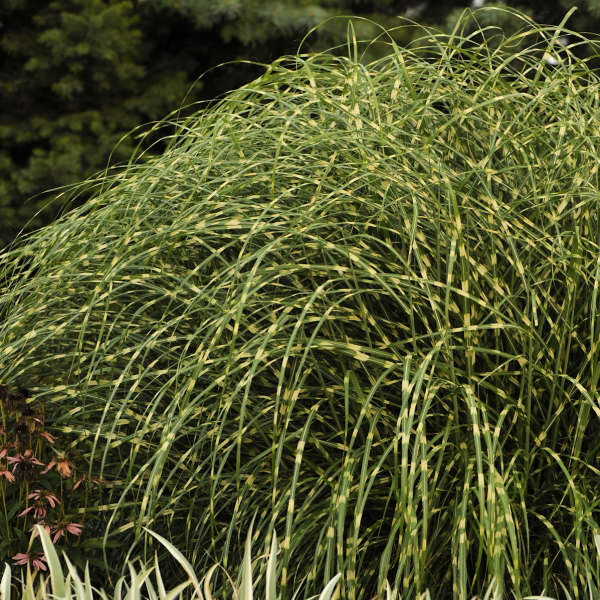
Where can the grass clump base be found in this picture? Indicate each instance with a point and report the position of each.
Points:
(73, 587)
(362, 298)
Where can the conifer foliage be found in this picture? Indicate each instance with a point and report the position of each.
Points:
(75, 77)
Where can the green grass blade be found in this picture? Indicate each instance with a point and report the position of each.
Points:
(56, 572)
(5, 583)
(180, 559)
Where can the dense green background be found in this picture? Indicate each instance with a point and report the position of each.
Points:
(77, 76)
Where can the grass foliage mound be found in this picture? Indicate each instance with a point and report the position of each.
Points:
(360, 300)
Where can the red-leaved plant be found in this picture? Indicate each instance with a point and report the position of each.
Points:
(32, 491)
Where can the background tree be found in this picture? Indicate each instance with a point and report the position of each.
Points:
(75, 78)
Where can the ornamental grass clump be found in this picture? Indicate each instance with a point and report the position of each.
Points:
(360, 298)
